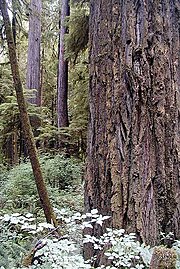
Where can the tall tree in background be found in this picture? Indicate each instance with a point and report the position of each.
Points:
(41, 187)
(62, 92)
(34, 42)
(133, 142)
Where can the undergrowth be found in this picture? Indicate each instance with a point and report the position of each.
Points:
(62, 176)
(23, 228)
(21, 233)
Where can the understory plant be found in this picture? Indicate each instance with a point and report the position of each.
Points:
(23, 229)
(65, 251)
(21, 233)
(18, 190)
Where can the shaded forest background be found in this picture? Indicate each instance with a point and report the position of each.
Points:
(44, 118)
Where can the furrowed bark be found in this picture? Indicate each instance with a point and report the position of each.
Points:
(133, 141)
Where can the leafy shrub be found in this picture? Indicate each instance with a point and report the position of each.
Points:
(11, 244)
(19, 188)
(19, 232)
(20, 181)
(66, 252)
(61, 172)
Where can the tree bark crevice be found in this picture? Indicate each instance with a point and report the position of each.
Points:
(134, 110)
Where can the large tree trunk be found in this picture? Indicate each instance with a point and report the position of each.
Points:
(133, 143)
(34, 42)
(62, 92)
(28, 135)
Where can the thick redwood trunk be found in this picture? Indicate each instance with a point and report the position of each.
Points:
(34, 42)
(62, 92)
(133, 143)
(28, 135)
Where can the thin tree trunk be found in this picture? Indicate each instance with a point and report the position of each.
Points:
(62, 92)
(34, 42)
(41, 187)
(133, 141)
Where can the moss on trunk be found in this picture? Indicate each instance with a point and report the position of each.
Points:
(163, 258)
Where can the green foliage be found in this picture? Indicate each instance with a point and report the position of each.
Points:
(78, 23)
(6, 85)
(17, 232)
(22, 232)
(78, 104)
(10, 123)
(9, 115)
(8, 104)
(18, 189)
(74, 138)
(61, 172)
(76, 42)
(11, 246)
(20, 180)
(126, 251)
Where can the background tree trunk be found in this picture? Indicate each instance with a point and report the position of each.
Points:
(34, 42)
(133, 142)
(28, 135)
(62, 106)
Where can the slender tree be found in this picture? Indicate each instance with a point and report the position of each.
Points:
(62, 92)
(133, 142)
(34, 42)
(28, 135)
(13, 143)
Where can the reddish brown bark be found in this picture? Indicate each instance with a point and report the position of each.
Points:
(34, 42)
(133, 141)
(62, 92)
